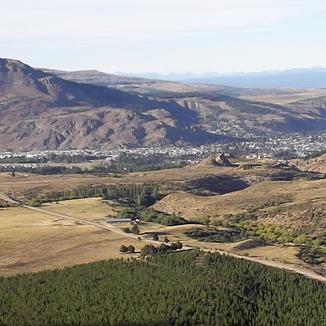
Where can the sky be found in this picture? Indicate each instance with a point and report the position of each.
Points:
(165, 36)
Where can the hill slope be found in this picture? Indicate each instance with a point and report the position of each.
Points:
(42, 111)
(317, 164)
(39, 110)
(223, 109)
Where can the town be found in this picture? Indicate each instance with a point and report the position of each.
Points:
(278, 147)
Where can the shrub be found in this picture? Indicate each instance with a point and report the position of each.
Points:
(34, 202)
(123, 249)
(155, 237)
(161, 218)
(148, 250)
(134, 229)
(179, 245)
(164, 248)
(173, 246)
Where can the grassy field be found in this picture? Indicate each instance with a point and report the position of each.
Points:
(300, 197)
(32, 241)
(27, 185)
(227, 179)
(275, 253)
(92, 209)
(316, 164)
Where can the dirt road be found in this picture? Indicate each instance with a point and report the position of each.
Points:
(308, 273)
(103, 226)
(303, 271)
(9, 200)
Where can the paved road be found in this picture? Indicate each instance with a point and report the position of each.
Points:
(306, 272)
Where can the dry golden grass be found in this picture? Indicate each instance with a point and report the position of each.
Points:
(32, 241)
(92, 209)
(30, 185)
(295, 194)
(275, 253)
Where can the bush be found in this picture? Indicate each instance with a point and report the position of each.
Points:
(123, 249)
(148, 250)
(161, 218)
(213, 235)
(34, 202)
(179, 245)
(155, 237)
(164, 248)
(173, 246)
(312, 255)
(127, 213)
(131, 249)
(134, 229)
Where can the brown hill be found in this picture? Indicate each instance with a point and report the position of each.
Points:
(296, 205)
(215, 160)
(20, 81)
(41, 111)
(226, 108)
(317, 164)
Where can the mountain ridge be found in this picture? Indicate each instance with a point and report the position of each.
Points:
(39, 110)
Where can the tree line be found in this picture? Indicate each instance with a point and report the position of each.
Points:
(131, 195)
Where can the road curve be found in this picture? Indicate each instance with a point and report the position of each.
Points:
(303, 271)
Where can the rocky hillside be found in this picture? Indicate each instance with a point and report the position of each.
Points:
(225, 109)
(41, 111)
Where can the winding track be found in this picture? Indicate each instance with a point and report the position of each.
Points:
(307, 273)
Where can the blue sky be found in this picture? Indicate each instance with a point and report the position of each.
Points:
(165, 35)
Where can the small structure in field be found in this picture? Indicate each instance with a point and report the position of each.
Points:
(118, 220)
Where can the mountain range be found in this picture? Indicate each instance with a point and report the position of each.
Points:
(297, 78)
(49, 109)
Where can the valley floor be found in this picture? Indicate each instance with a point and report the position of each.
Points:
(34, 239)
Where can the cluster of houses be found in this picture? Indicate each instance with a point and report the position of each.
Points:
(297, 145)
